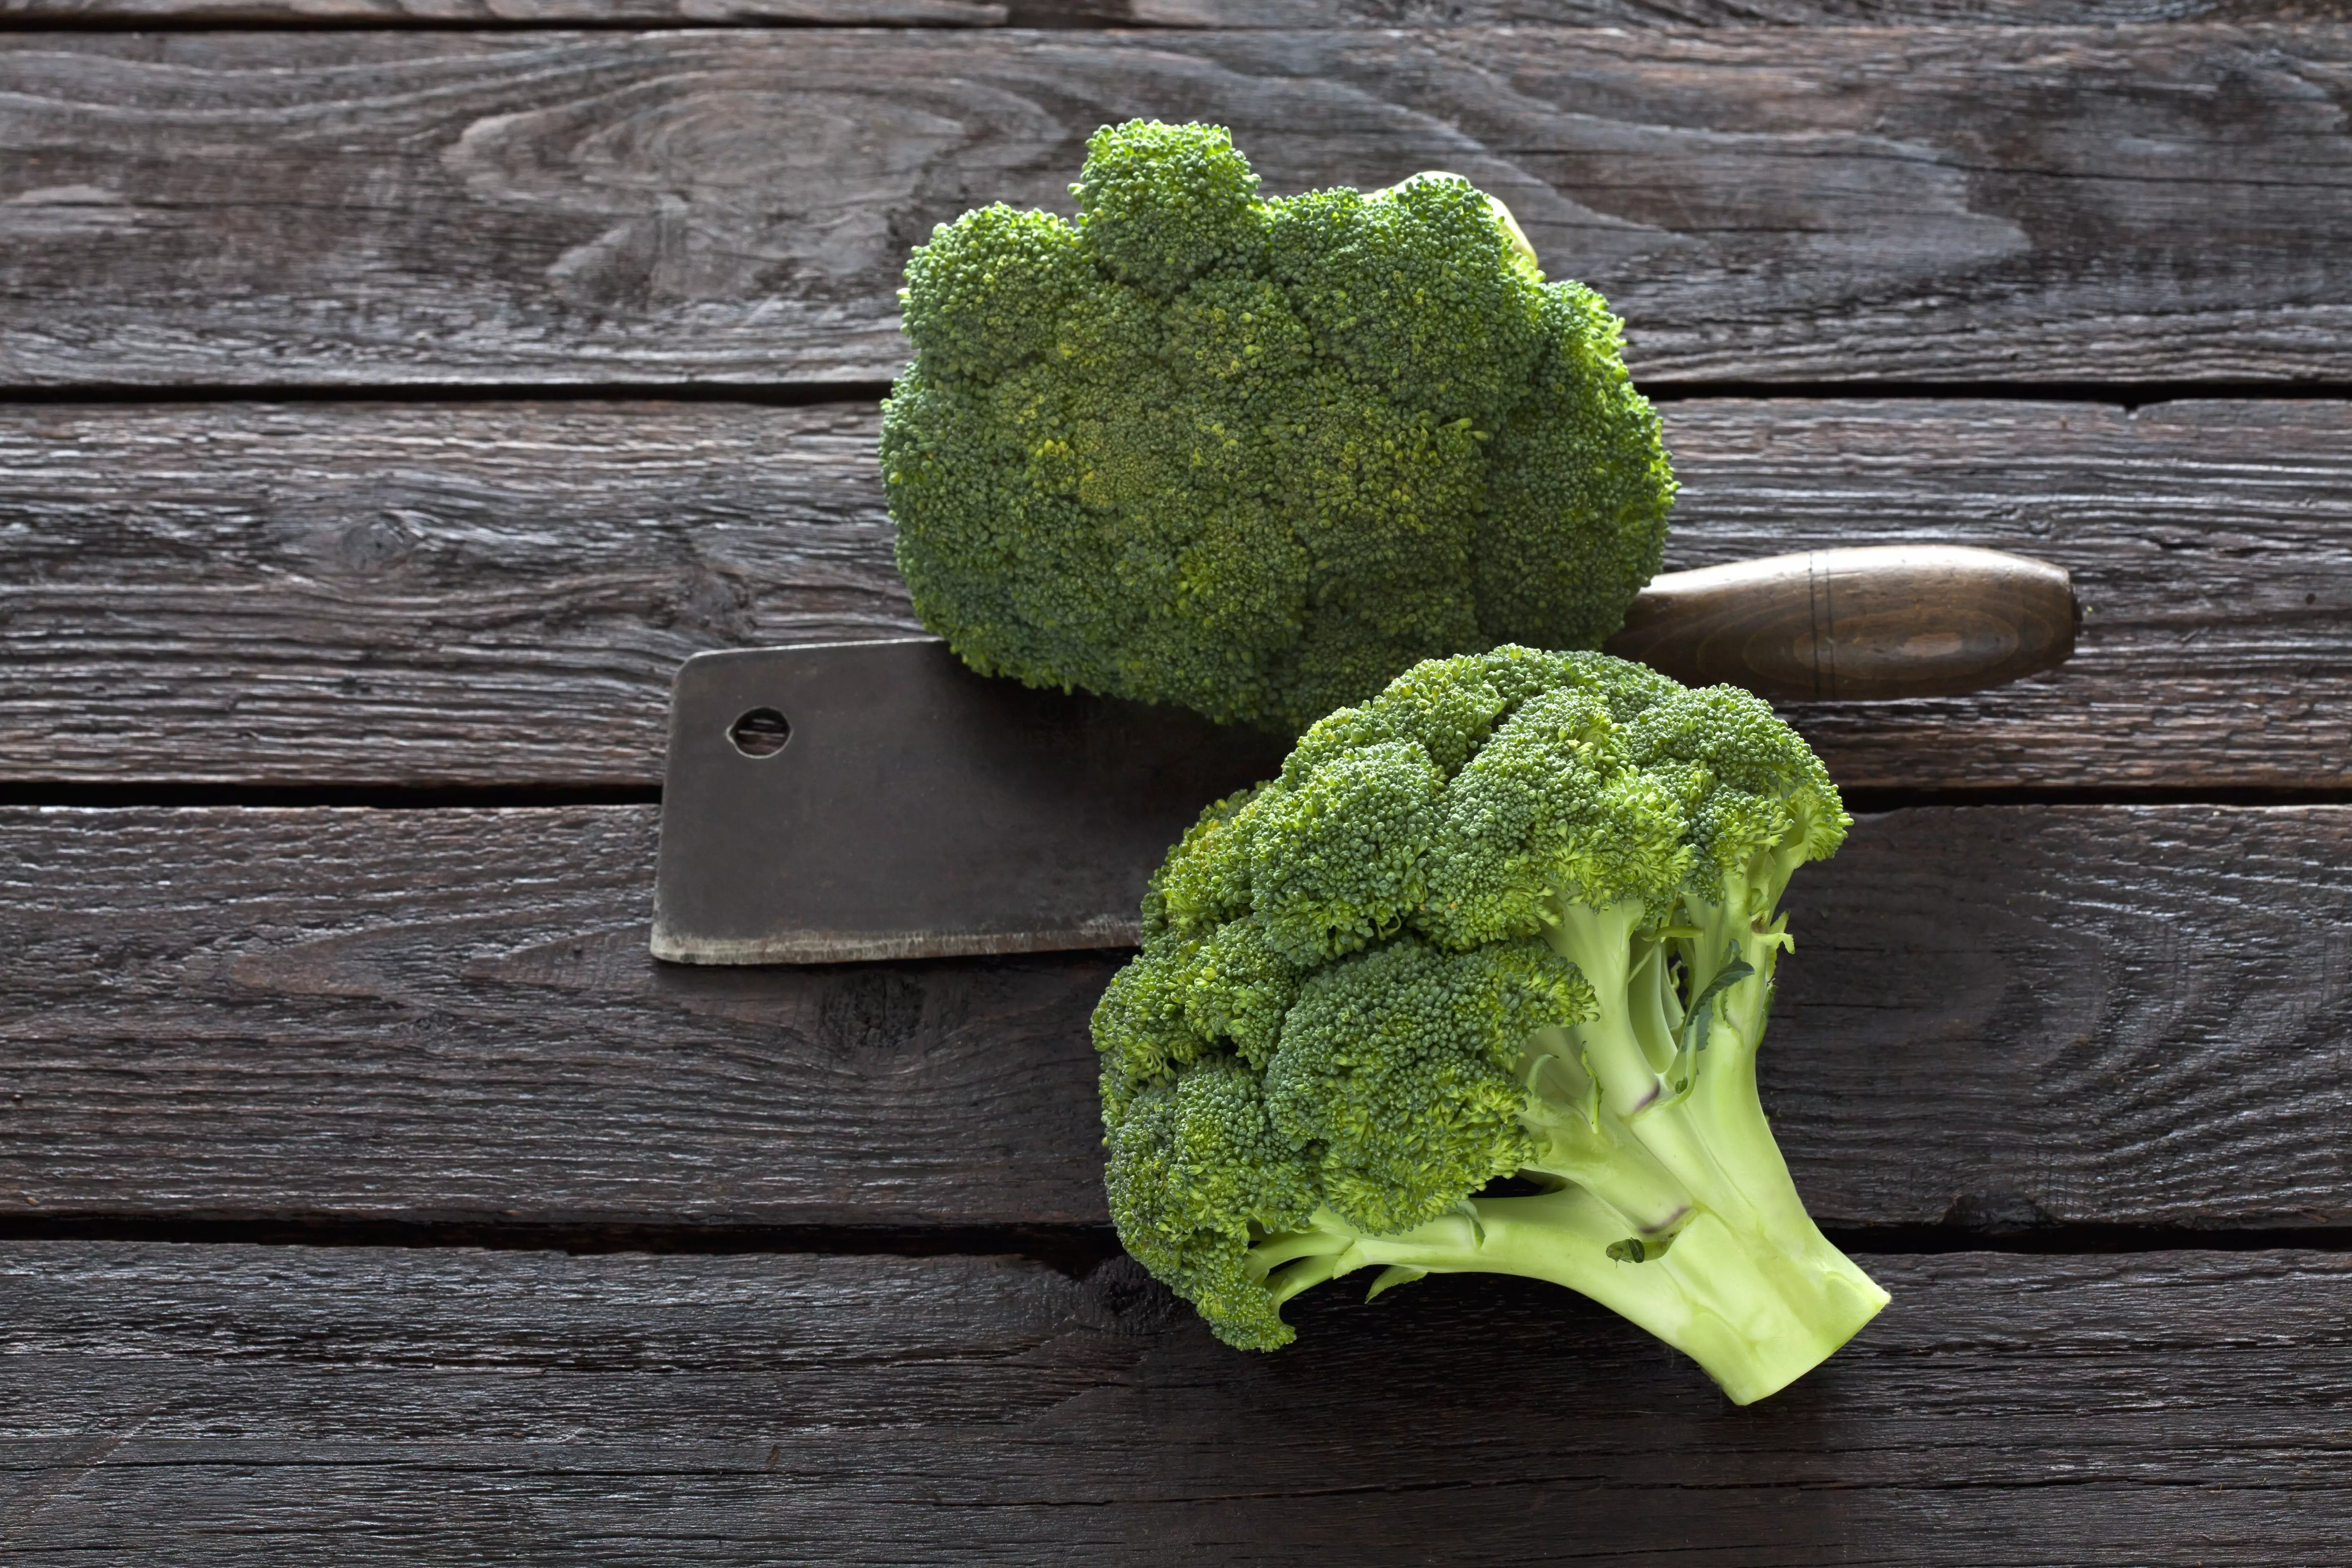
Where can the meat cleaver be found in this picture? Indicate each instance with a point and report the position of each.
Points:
(875, 800)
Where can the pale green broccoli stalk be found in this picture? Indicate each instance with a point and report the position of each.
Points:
(1514, 917)
(1259, 457)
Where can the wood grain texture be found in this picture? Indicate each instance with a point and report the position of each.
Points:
(2207, 543)
(1995, 1016)
(522, 13)
(231, 1406)
(2164, 203)
(1268, 13)
(423, 594)
(501, 593)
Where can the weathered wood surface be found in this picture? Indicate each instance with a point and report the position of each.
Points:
(427, 594)
(2210, 543)
(559, 13)
(1995, 1016)
(1998, 1018)
(525, 13)
(1268, 13)
(499, 594)
(227, 1406)
(2164, 202)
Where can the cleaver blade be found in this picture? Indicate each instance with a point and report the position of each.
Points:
(874, 800)
(878, 800)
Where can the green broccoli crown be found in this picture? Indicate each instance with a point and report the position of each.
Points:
(1362, 996)
(1259, 457)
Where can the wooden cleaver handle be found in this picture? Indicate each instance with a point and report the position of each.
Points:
(1931, 620)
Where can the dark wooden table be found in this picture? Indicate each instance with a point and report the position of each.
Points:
(395, 391)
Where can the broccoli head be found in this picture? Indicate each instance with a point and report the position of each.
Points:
(1513, 917)
(1259, 457)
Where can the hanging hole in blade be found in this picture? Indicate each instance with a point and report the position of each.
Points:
(761, 733)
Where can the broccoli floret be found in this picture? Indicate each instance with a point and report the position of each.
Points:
(1259, 457)
(1513, 917)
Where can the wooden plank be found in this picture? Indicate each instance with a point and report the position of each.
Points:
(2207, 541)
(422, 594)
(1268, 13)
(499, 594)
(230, 1406)
(1996, 1016)
(513, 13)
(2158, 203)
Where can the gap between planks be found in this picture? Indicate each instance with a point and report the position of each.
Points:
(2130, 396)
(1071, 1250)
(173, 795)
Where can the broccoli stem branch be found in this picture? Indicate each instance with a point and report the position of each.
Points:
(1588, 1144)
(1724, 1105)
(1739, 1303)
(1748, 1287)
(1674, 1205)
(1598, 941)
(1753, 1314)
